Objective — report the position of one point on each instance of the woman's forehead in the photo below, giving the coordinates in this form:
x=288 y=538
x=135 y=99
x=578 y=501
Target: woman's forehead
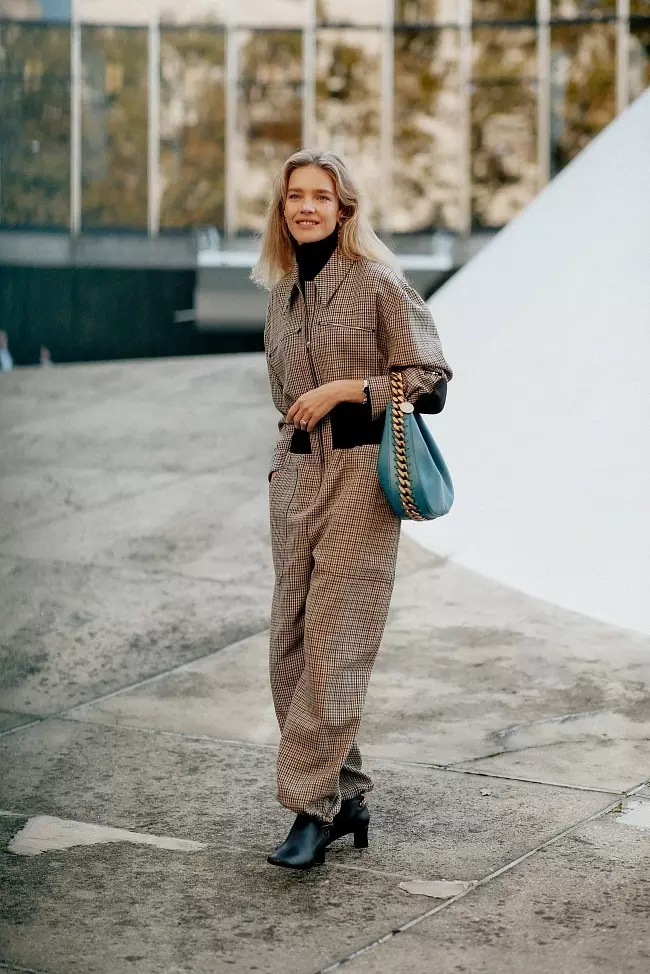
x=311 y=177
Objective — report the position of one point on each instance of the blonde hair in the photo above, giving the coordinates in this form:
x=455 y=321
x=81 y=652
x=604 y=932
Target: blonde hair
x=357 y=239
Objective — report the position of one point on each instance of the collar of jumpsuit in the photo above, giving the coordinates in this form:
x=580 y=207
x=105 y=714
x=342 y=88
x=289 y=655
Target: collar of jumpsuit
x=325 y=265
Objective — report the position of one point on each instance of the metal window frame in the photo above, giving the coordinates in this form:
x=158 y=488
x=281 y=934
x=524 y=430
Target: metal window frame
x=309 y=75
x=543 y=93
x=465 y=83
x=76 y=81
x=153 y=122
x=622 y=55
x=387 y=115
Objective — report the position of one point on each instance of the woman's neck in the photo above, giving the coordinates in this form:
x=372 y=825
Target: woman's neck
x=312 y=257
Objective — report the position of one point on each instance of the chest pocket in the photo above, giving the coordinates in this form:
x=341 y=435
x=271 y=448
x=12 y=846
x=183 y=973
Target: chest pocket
x=347 y=343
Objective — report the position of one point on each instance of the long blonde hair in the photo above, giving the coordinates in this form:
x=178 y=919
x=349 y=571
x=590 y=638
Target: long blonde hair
x=357 y=239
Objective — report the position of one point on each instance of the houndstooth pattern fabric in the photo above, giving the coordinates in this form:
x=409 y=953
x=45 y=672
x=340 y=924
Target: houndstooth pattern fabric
x=363 y=320
x=334 y=537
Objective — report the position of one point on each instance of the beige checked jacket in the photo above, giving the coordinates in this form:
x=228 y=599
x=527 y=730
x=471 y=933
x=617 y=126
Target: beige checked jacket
x=365 y=321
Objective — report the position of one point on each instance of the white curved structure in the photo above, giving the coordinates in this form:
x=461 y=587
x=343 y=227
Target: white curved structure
x=547 y=427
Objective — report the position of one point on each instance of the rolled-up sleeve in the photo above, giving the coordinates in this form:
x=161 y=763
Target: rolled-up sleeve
x=409 y=343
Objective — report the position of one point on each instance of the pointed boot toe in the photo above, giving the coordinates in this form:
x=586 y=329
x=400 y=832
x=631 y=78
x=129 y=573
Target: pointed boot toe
x=304 y=846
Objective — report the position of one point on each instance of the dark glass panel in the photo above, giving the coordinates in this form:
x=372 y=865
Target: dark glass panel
x=35 y=126
x=114 y=127
x=192 y=128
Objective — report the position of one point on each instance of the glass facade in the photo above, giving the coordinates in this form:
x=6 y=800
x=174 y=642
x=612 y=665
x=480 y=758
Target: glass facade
x=148 y=115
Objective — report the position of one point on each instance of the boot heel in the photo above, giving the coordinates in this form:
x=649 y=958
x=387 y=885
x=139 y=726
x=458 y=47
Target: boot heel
x=361 y=838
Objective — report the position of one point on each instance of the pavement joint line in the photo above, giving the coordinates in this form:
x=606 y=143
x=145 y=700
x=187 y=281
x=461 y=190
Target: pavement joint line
x=63 y=714
x=208 y=739
x=481 y=882
x=200 y=738
x=5 y=966
x=19 y=727
x=535 y=781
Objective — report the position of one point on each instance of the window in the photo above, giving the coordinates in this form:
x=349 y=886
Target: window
x=269 y=116
x=348 y=104
x=114 y=127
x=428 y=143
x=192 y=127
x=504 y=123
x=35 y=126
x=583 y=87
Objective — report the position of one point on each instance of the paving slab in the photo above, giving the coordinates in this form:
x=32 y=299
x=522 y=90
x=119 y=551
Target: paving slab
x=73 y=632
x=198 y=525
x=450 y=684
x=226 y=696
x=426 y=824
x=194 y=912
x=35 y=497
x=469 y=669
x=579 y=906
x=147 y=415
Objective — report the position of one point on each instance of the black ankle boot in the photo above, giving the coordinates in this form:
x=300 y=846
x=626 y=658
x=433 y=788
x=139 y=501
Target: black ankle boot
x=353 y=817
x=305 y=845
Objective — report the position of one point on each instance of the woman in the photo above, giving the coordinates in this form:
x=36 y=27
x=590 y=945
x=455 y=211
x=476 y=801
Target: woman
x=340 y=316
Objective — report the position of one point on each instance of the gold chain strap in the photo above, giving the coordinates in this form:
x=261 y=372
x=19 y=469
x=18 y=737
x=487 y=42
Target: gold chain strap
x=399 y=442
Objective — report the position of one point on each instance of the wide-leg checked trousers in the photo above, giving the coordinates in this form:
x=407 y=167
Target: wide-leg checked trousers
x=334 y=541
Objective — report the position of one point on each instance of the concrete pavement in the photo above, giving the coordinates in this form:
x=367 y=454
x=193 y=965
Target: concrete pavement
x=507 y=737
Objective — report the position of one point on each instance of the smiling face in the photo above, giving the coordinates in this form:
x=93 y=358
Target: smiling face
x=312 y=207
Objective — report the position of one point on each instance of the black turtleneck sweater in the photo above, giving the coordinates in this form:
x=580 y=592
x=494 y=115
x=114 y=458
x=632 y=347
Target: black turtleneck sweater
x=312 y=257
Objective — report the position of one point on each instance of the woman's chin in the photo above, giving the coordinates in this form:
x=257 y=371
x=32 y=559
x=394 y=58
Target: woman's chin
x=301 y=235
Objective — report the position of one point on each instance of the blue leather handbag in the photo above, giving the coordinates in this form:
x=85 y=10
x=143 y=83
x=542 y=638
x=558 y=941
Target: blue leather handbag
x=411 y=469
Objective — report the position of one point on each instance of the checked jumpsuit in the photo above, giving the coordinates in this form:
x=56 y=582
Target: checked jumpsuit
x=334 y=538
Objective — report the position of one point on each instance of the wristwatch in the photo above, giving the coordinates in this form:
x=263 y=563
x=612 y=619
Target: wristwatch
x=366 y=388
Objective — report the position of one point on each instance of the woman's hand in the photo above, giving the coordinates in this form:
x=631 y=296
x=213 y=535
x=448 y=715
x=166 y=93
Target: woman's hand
x=310 y=408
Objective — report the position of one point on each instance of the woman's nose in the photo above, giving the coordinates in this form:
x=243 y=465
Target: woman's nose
x=307 y=206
